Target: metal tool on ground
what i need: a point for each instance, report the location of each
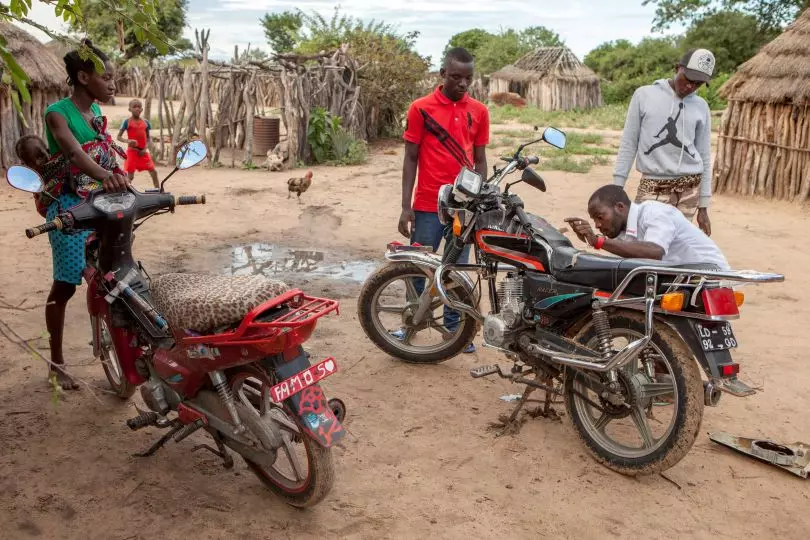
(794, 458)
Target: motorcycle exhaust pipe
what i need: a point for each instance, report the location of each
(711, 394)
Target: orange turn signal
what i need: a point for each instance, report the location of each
(456, 226)
(673, 301)
(739, 297)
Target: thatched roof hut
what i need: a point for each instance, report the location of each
(47, 84)
(764, 146)
(550, 78)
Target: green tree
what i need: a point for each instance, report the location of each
(499, 51)
(283, 30)
(140, 15)
(535, 37)
(392, 69)
(473, 40)
(732, 36)
(494, 51)
(107, 28)
(770, 14)
(624, 67)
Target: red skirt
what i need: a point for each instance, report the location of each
(136, 162)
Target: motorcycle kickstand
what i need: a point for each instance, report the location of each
(523, 399)
(221, 451)
(176, 426)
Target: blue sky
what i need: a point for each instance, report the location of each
(583, 24)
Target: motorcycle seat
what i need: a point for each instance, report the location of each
(604, 272)
(205, 302)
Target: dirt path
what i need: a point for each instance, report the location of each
(420, 461)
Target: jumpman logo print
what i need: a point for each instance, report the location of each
(671, 127)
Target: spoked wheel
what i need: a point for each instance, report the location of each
(652, 419)
(109, 361)
(302, 472)
(386, 308)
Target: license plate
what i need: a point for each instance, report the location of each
(289, 387)
(716, 337)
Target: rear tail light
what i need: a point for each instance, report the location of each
(739, 296)
(720, 301)
(729, 370)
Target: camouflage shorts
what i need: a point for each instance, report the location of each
(683, 193)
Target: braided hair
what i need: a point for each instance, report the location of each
(74, 63)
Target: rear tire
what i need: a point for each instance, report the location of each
(365, 307)
(320, 466)
(688, 386)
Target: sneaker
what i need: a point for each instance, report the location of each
(469, 349)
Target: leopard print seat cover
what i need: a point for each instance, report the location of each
(205, 302)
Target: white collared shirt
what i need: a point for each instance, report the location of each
(665, 226)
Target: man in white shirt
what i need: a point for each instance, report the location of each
(647, 230)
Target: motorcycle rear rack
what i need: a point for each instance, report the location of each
(681, 277)
(304, 311)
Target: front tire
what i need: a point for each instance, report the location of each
(109, 361)
(686, 398)
(367, 305)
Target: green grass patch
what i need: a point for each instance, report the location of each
(607, 117)
(567, 163)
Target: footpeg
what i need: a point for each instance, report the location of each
(143, 420)
(483, 371)
(188, 429)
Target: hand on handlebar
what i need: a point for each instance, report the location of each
(115, 183)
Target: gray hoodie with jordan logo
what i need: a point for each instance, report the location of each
(668, 137)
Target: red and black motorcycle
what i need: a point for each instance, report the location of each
(623, 341)
(218, 353)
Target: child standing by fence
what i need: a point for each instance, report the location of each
(137, 141)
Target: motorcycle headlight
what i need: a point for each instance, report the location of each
(468, 184)
(443, 203)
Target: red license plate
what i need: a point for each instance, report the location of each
(288, 388)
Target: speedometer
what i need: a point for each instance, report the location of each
(114, 202)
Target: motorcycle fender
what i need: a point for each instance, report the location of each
(310, 405)
(709, 361)
(430, 262)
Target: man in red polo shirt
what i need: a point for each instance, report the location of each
(446, 130)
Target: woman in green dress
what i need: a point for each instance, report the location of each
(85, 156)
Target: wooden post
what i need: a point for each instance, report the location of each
(161, 82)
(205, 101)
(250, 104)
(185, 104)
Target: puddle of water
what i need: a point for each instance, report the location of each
(277, 261)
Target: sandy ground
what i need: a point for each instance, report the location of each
(420, 461)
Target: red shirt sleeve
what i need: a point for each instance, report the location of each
(482, 135)
(415, 126)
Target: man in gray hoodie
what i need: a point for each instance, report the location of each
(667, 132)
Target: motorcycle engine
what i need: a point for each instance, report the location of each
(497, 326)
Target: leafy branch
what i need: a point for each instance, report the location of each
(141, 15)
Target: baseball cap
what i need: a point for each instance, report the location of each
(698, 64)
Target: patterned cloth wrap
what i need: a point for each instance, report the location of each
(683, 193)
(61, 176)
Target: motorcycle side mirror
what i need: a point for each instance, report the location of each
(554, 137)
(24, 179)
(531, 177)
(191, 154)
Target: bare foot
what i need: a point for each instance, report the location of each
(64, 380)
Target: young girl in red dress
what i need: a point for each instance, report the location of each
(137, 141)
